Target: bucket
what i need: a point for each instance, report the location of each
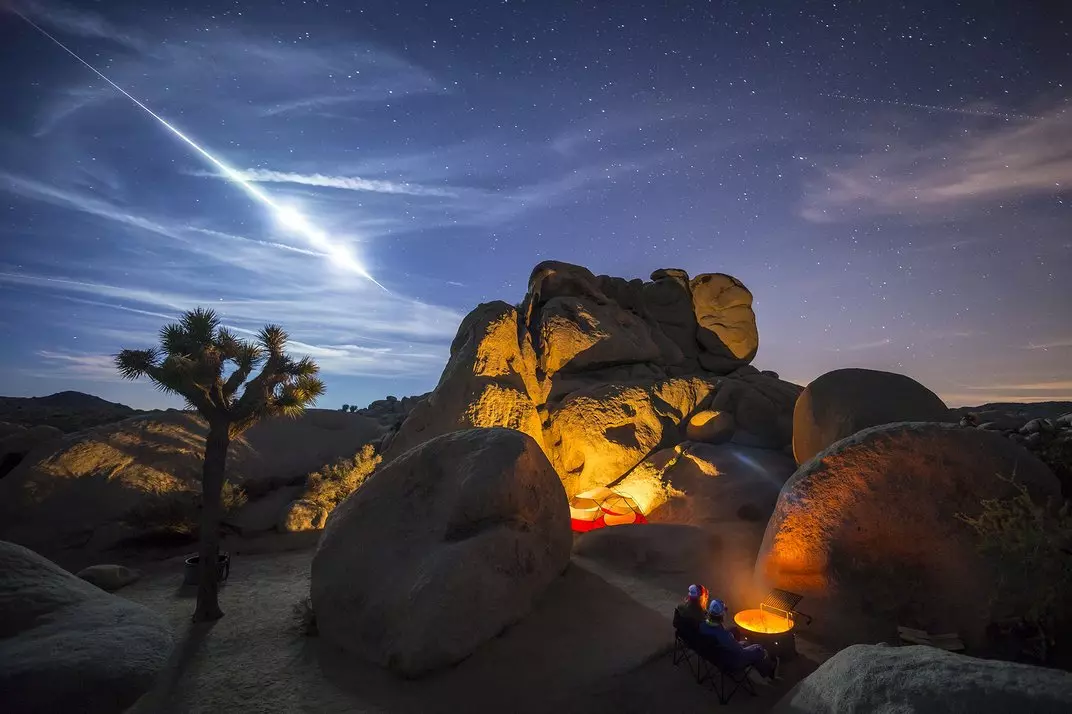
(192, 574)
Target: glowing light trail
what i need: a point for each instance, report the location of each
(286, 215)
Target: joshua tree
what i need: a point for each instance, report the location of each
(346, 407)
(209, 366)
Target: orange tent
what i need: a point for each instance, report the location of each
(603, 507)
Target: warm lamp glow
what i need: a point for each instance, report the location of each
(762, 621)
(702, 418)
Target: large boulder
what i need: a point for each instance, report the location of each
(441, 549)
(762, 407)
(77, 490)
(17, 441)
(489, 381)
(726, 324)
(68, 646)
(926, 680)
(843, 402)
(596, 435)
(109, 577)
(869, 531)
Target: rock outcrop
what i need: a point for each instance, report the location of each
(1048, 437)
(391, 411)
(868, 530)
(488, 381)
(603, 372)
(441, 549)
(925, 680)
(842, 402)
(80, 490)
(68, 646)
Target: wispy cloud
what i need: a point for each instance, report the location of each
(75, 365)
(1013, 160)
(347, 183)
(860, 346)
(76, 21)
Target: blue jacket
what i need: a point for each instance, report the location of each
(722, 636)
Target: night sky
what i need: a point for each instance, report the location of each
(893, 185)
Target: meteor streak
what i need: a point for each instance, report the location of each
(286, 215)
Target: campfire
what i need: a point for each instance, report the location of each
(771, 624)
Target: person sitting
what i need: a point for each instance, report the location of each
(740, 655)
(691, 611)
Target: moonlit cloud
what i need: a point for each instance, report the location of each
(76, 21)
(1003, 161)
(95, 367)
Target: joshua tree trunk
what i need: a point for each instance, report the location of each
(208, 606)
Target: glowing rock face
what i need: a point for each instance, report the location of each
(872, 526)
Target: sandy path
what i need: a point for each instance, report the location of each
(582, 635)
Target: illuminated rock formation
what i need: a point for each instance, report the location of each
(844, 401)
(93, 488)
(490, 380)
(440, 550)
(602, 371)
(596, 434)
(868, 530)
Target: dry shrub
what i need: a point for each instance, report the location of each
(330, 485)
(304, 617)
(1030, 545)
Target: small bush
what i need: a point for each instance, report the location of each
(330, 485)
(304, 617)
(1030, 545)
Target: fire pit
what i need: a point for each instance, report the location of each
(771, 624)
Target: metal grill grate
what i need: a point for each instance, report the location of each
(781, 601)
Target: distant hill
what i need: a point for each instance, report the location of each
(1025, 410)
(67, 411)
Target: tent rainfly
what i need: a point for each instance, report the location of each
(603, 507)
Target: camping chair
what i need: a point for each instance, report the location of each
(730, 677)
(705, 659)
(686, 635)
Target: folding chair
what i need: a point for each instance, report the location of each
(729, 679)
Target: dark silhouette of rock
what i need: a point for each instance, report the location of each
(926, 680)
(68, 646)
(844, 401)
